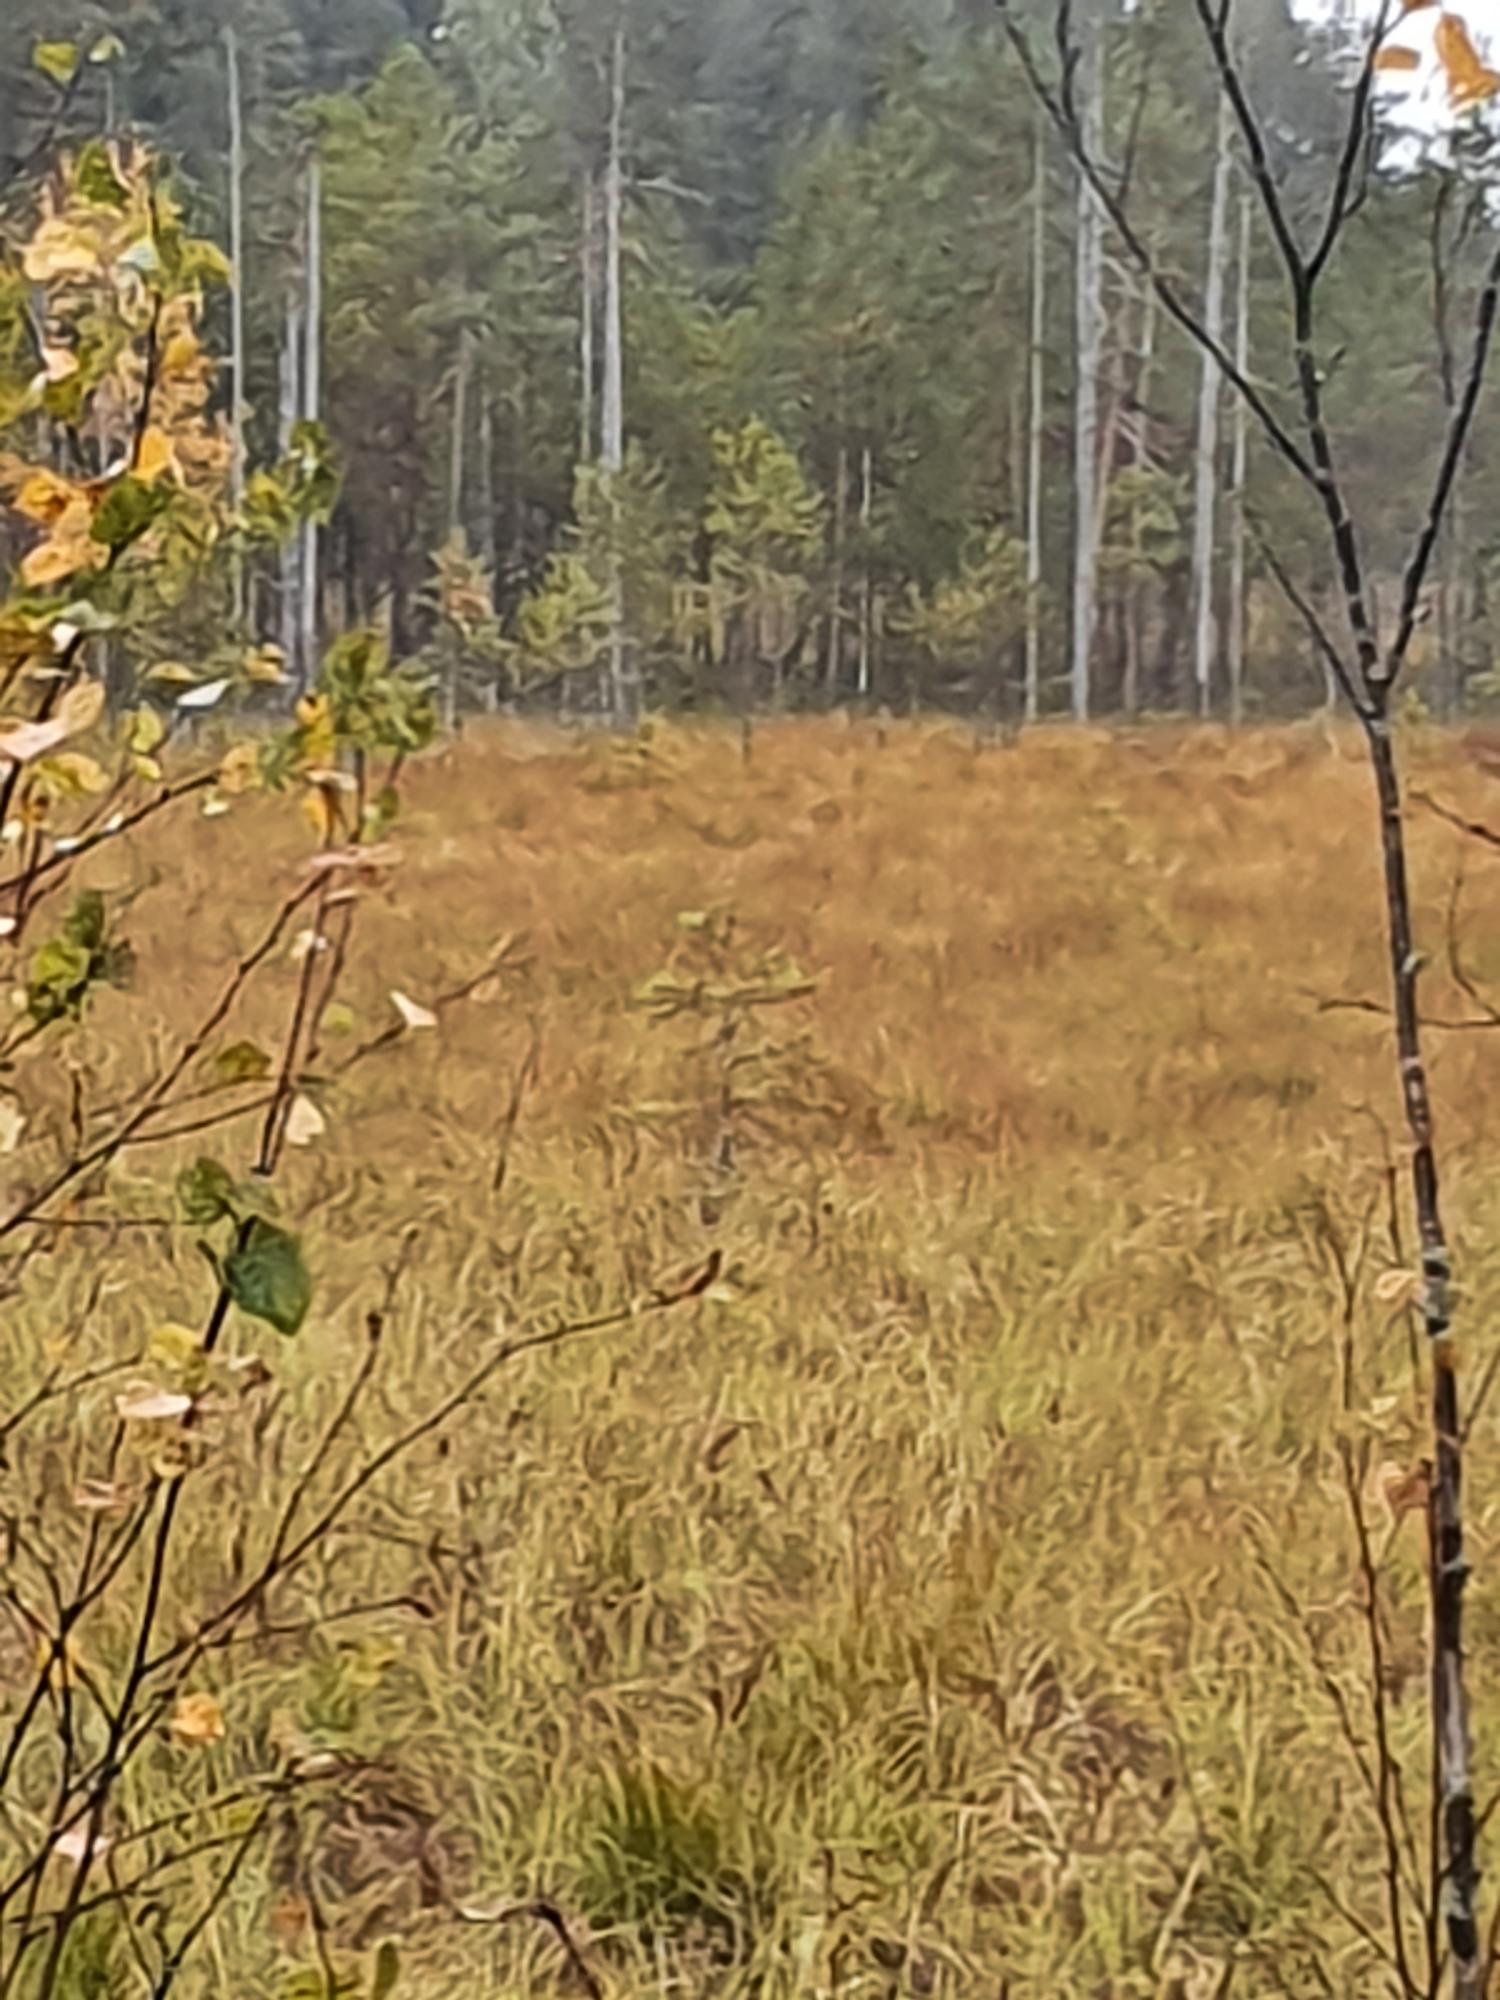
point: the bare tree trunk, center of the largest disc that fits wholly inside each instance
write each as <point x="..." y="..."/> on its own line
<point x="589" y="292"/>
<point x="489" y="546"/>
<point x="1089" y="345"/>
<point x="1368" y="666"/>
<point x="312" y="397"/>
<point x="1238" y="607"/>
<point x="1037" y="421"/>
<point x="1135" y="624"/>
<point x="866" y="592"/>
<point x="236" y="307"/>
<point x="834" y="665"/>
<point x="1210" y="392"/>
<point x="622" y="693"/>
<point x="458" y="444"/>
<point x="291" y="403"/>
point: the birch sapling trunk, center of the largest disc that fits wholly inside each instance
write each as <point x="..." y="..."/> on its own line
<point x="1205" y="503"/>
<point x="1113" y="411"/>
<point x="621" y="689"/>
<point x="1368" y="669"/>
<point x="489" y="546"/>
<point x="588" y="296"/>
<point x="1453" y="1782"/>
<point x="458" y="443"/>
<point x="1089" y="347"/>
<point x="1135" y="624"/>
<point x="236" y="306"/>
<point x="312" y="397"/>
<point x="291" y="403"/>
<point x="1238" y="604"/>
<point x="457" y="487"/>
<point x="1037" y="419"/>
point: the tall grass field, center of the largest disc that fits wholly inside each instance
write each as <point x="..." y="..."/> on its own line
<point x="960" y="1595"/>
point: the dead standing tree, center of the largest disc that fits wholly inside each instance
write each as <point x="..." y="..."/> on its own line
<point x="1367" y="660"/>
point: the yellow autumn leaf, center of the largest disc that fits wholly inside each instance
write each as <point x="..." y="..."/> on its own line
<point x="156" y="458"/>
<point x="240" y="770"/>
<point x="145" y="732"/>
<point x="320" y="810"/>
<point x="69" y="549"/>
<point x="198" y="1721"/>
<point x="70" y="775"/>
<point x="81" y="707"/>
<point x="1470" y="80"/>
<point x="174" y="1345"/>
<point x="180" y="354"/>
<point x="265" y="666"/>
<point x="59" y="250"/>
<point x="45" y="496"/>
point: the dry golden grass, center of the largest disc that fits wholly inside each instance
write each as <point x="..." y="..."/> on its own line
<point x="905" y="1616"/>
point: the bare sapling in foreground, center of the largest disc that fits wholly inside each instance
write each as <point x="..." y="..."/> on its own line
<point x="1367" y="656"/>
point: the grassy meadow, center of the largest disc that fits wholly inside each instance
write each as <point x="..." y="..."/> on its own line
<point x="960" y="1598"/>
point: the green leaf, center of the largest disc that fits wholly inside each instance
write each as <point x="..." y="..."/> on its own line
<point x="59" y="981"/>
<point x="267" y="1277"/>
<point x="387" y="1971"/>
<point x="205" y="1193"/>
<point x="85" y="923"/>
<point x="56" y="60"/>
<point x="128" y="511"/>
<point x="68" y="967"/>
<point x="241" y="1062"/>
<point x="97" y="179"/>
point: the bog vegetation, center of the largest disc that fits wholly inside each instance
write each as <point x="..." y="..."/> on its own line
<point x="745" y="1362"/>
<point x="958" y="1591"/>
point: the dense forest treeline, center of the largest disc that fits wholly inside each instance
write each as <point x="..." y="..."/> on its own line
<point x="694" y="351"/>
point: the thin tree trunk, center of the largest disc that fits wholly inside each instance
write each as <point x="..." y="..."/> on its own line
<point x="1037" y="420"/>
<point x="1113" y="409"/>
<point x="1089" y="343"/>
<point x="458" y="444"/>
<point x="867" y="588"/>
<point x="1449" y="1569"/>
<point x="312" y="396"/>
<point x="1135" y="633"/>
<point x="835" y="662"/>
<point x="489" y="549"/>
<point x="236" y="307"/>
<point x="1238" y="606"/>
<point x="1210" y="392"/>
<point x="291" y="403"/>
<point x="621" y="692"/>
<point x="457" y="531"/>
<point x="587" y="275"/>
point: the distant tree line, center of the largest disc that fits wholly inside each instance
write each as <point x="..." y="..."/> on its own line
<point x="688" y="354"/>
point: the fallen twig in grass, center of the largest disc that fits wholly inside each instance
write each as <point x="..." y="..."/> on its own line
<point x="540" y="1912"/>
